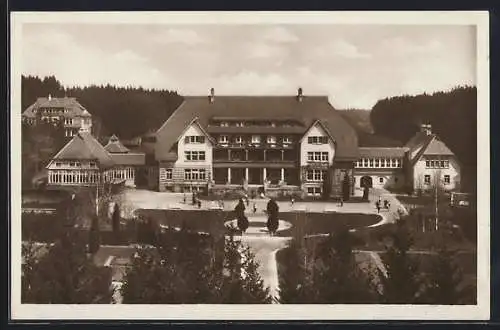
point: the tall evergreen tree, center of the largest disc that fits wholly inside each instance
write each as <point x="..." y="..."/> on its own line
<point x="272" y="216"/>
<point x="241" y="219"/>
<point x="115" y="218"/>
<point x="401" y="284"/>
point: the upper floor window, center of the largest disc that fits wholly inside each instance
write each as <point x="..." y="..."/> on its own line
<point x="92" y="164"/>
<point x="287" y="140"/>
<point x="427" y="179"/>
<point x="238" y="139"/>
<point x="317" y="156"/>
<point x="68" y="121"/>
<point x="58" y="164"/>
<point x="194" y="139"/>
<point x="315" y="175"/>
<point x="436" y="163"/>
<point x="317" y="140"/>
<point x="223" y="139"/>
<point x="224" y="124"/>
<point x="271" y="139"/>
<point x="273" y="124"/>
<point x="194" y="174"/>
<point x="255" y="138"/>
<point x="446" y="179"/>
<point x="194" y="155"/>
<point x="240" y="124"/>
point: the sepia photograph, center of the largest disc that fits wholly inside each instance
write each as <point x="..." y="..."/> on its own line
<point x="250" y="165"/>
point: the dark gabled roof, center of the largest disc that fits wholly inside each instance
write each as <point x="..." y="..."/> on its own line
<point x="418" y="140"/>
<point x="427" y="144"/>
<point x="310" y="109"/>
<point x="256" y="130"/>
<point x="129" y="159"/>
<point x="370" y="140"/>
<point x="75" y="109"/>
<point x="390" y="152"/>
<point x="84" y="146"/>
<point x="115" y="146"/>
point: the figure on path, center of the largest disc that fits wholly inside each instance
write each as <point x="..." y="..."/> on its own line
<point x="241" y="219"/>
<point x="341" y="201"/>
<point x="272" y="216"/>
<point x="377" y="205"/>
<point x="254" y="207"/>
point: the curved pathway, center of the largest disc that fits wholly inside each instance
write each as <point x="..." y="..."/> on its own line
<point x="257" y="238"/>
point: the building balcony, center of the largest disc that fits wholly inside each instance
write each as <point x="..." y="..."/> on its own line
<point x="255" y="145"/>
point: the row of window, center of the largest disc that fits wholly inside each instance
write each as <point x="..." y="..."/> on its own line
<point x="194" y="155"/>
<point x="74" y="164"/>
<point x="271" y="139"/>
<point x="190" y="174"/>
<point x="379" y="162"/>
<point x="52" y="110"/>
<point x="317" y="156"/>
<point x="316" y="175"/>
<point x="314" y="191"/>
<point x="194" y="139"/>
<point x="317" y="139"/>
<point x="73" y="177"/>
<point x="427" y="179"/>
<point x="243" y="124"/>
<point x="437" y="163"/>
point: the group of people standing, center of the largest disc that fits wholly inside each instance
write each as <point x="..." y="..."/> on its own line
<point x="378" y="204"/>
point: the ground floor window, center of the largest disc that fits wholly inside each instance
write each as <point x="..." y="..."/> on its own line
<point x="168" y="174"/>
<point x="194" y="174"/>
<point x="314" y="191"/>
<point x="446" y="179"/>
<point x="381" y="180"/>
<point x="427" y="179"/>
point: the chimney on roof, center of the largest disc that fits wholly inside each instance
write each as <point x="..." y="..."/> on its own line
<point x="50" y="97"/>
<point x="426" y="128"/>
<point x="299" y="94"/>
<point x="212" y="95"/>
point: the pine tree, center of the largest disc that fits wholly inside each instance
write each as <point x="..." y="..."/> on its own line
<point x="401" y="284"/>
<point x="116" y="217"/>
<point x="444" y="283"/>
<point x="272" y="216"/>
<point x="65" y="275"/>
<point x="241" y="219"/>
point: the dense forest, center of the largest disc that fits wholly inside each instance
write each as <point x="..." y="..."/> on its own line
<point x="452" y="114"/>
<point x="359" y="119"/>
<point x="125" y="111"/>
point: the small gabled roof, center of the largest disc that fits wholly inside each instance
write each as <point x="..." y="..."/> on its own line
<point x="84" y="146"/>
<point x="381" y="152"/>
<point x="115" y="146"/>
<point x="129" y="158"/>
<point x="437" y="148"/>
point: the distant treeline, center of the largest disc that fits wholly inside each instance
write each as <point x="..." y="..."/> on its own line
<point x="125" y="111"/>
<point x="452" y="114"/>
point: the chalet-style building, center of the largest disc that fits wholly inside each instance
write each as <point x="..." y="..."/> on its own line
<point x="281" y="145"/>
<point x="431" y="163"/>
<point x="56" y="109"/>
<point x="83" y="161"/>
<point x="276" y="142"/>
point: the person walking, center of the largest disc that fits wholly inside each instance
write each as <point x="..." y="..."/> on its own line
<point x="292" y="200"/>
<point x="377" y="205"/>
<point x="341" y="201"/>
<point x="254" y="207"/>
<point x="199" y="204"/>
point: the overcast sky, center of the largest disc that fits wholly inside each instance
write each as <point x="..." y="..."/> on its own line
<point x="355" y="65"/>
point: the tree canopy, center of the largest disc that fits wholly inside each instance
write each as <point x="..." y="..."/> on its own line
<point x="452" y="114"/>
<point x="113" y="107"/>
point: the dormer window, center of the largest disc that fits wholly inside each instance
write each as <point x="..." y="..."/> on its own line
<point x="224" y="124"/>
<point x="238" y="139"/>
<point x="287" y="140"/>
<point x="255" y="138"/>
<point x="240" y="124"/>
<point x="223" y="139"/>
<point x="273" y="124"/>
<point x="271" y="139"/>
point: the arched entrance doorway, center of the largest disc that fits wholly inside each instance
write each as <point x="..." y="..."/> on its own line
<point x="366" y="182"/>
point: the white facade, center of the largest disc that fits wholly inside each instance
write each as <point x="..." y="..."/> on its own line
<point x="425" y="177"/>
<point x="306" y="147"/>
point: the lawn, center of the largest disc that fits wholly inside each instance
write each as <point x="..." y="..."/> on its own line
<point x="324" y="223"/>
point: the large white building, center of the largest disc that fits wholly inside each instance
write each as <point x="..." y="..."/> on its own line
<point x="281" y="144"/>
